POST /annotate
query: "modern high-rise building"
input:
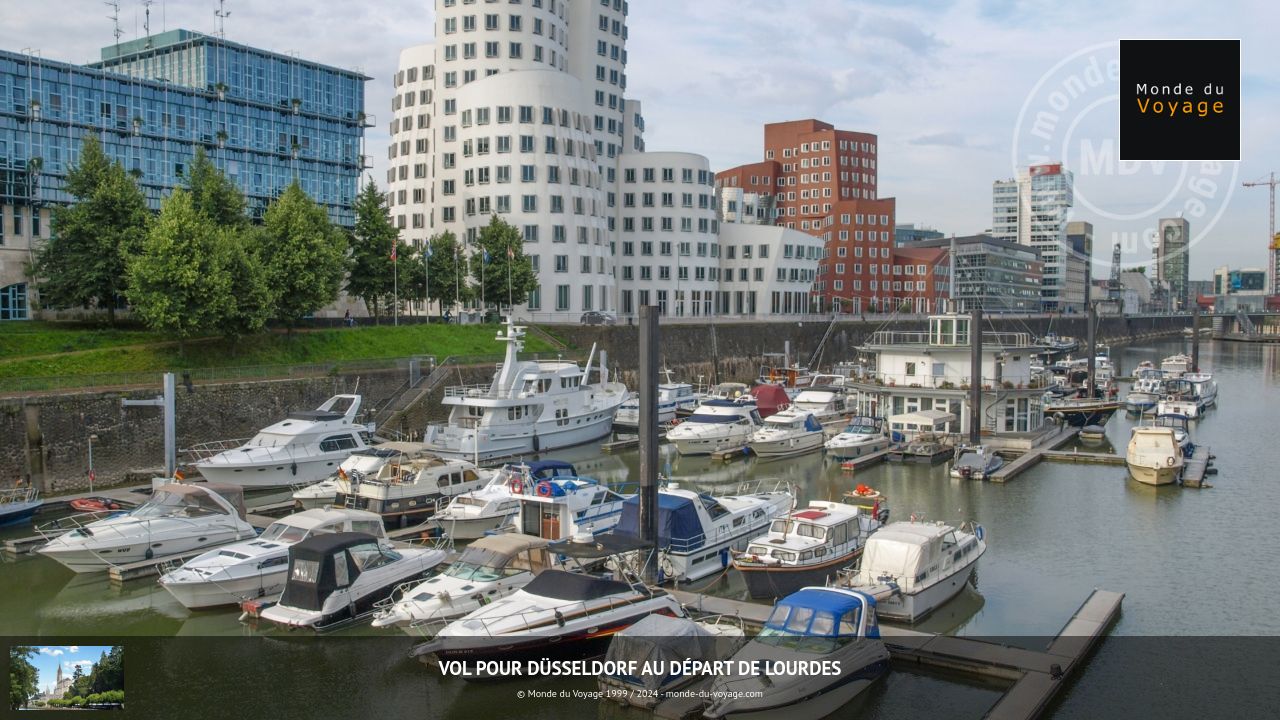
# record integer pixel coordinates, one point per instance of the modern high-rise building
(905, 234)
(1032, 209)
(992, 274)
(264, 118)
(1080, 242)
(518, 110)
(823, 181)
(1173, 260)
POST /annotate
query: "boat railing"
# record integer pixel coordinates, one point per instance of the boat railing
(19, 495)
(531, 620)
(81, 521)
(205, 450)
(479, 390)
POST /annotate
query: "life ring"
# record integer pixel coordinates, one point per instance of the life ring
(543, 489)
(1170, 398)
(516, 484)
(863, 490)
(1171, 460)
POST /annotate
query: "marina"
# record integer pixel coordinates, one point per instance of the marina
(957, 650)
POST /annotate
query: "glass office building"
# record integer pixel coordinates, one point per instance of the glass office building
(264, 118)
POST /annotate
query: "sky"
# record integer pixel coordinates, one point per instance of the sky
(49, 657)
(950, 87)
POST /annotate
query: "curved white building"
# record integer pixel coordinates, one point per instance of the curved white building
(668, 252)
(411, 168)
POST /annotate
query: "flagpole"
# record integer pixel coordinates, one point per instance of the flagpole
(510, 259)
(457, 282)
(395, 270)
(482, 264)
(426, 278)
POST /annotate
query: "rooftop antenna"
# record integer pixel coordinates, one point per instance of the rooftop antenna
(114, 17)
(146, 20)
(223, 13)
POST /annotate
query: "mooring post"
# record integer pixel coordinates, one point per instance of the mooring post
(1092, 319)
(1195, 337)
(975, 370)
(170, 427)
(648, 377)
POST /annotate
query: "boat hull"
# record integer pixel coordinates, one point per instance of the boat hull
(197, 595)
(848, 452)
(1155, 475)
(821, 703)
(277, 473)
(708, 444)
(767, 582)
(82, 559)
(470, 528)
(19, 512)
(1079, 417)
(787, 446)
(910, 608)
(548, 438)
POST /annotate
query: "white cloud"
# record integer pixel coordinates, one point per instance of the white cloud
(73, 648)
(71, 664)
(51, 651)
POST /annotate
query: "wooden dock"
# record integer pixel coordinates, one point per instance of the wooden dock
(1083, 457)
(1031, 457)
(731, 454)
(626, 443)
(1036, 676)
(857, 463)
(1197, 467)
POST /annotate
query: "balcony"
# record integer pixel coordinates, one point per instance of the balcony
(920, 338)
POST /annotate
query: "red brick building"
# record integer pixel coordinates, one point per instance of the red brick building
(823, 181)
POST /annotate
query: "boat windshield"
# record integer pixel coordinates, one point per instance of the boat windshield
(283, 532)
(805, 629)
(168, 504)
(709, 419)
(802, 529)
(861, 429)
(266, 439)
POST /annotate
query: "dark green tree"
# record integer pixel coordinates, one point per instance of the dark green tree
(213, 194)
(304, 255)
(371, 275)
(252, 302)
(503, 246)
(84, 262)
(23, 678)
(448, 274)
(178, 282)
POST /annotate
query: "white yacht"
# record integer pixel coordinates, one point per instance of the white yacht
(862, 436)
(698, 532)
(305, 447)
(975, 462)
(1203, 387)
(716, 425)
(473, 514)
(335, 579)
(729, 391)
(790, 432)
(531, 406)
(806, 547)
(828, 403)
(673, 398)
(1175, 365)
(912, 568)
(558, 615)
(1182, 396)
(490, 568)
(554, 503)
(1154, 456)
(362, 463)
(179, 518)
(1145, 392)
(258, 567)
(815, 624)
(404, 493)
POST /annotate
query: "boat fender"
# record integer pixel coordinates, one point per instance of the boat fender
(1170, 398)
(724, 557)
(544, 489)
(149, 554)
(559, 618)
(293, 467)
(536, 444)
(979, 532)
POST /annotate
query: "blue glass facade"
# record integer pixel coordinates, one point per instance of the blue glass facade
(264, 118)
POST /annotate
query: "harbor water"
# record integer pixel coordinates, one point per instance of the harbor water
(1190, 563)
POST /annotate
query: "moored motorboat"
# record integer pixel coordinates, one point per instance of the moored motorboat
(666, 642)
(912, 568)
(405, 493)
(258, 567)
(673, 399)
(178, 518)
(472, 514)
(488, 569)
(1153, 456)
(336, 578)
(1093, 434)
(18, 504)
(559, 614)
(1175, 365)
(362, 463)
(975, 462)
(555, 503)
(862, 436)
(790, 432)
(716, 425)
(1079, 412)
(807, 628)
(806, 547)
(305, 447)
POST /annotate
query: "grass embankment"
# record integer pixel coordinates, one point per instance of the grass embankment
(46, 349)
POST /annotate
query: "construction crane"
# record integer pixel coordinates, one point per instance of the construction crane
(1273, 247)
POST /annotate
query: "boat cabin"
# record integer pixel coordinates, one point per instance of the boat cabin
(835, 615)
(909, 426)
(324, 564)
(915, 555)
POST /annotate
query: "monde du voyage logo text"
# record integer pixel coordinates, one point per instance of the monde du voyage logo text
(1180, 99)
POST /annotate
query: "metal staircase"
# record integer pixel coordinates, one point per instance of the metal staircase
(816, 357)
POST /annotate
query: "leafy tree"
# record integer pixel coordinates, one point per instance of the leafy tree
(23, 678)
(252, 300)
(85, 260)
(504, 246)
(179, 282)
(213, 193)
(304, 255)
(372, 271)
(448, 271)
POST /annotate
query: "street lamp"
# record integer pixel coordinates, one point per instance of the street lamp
(92, 437)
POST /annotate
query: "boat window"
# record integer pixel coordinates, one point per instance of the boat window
(274, 562)
(167, 504)
(283, 532)
(470, 476)
(739, 521)
(365, 437)
(784, 555)
(305, 571)
(778, 526)
(334, 443)
(806, 555)
(819, 551)
(366, 555)
(231, 553)
(340, 575)
(841, 534)
(714, 509)
(371, 527)
(799, 619)
(824, 623)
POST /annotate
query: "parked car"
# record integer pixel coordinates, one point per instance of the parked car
(598, 317)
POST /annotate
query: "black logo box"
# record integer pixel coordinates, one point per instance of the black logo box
(1205, 73)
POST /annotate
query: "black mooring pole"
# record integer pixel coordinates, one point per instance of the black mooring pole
(1092, 318)
(649, 439)
(975, 370)
(1195, 337)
